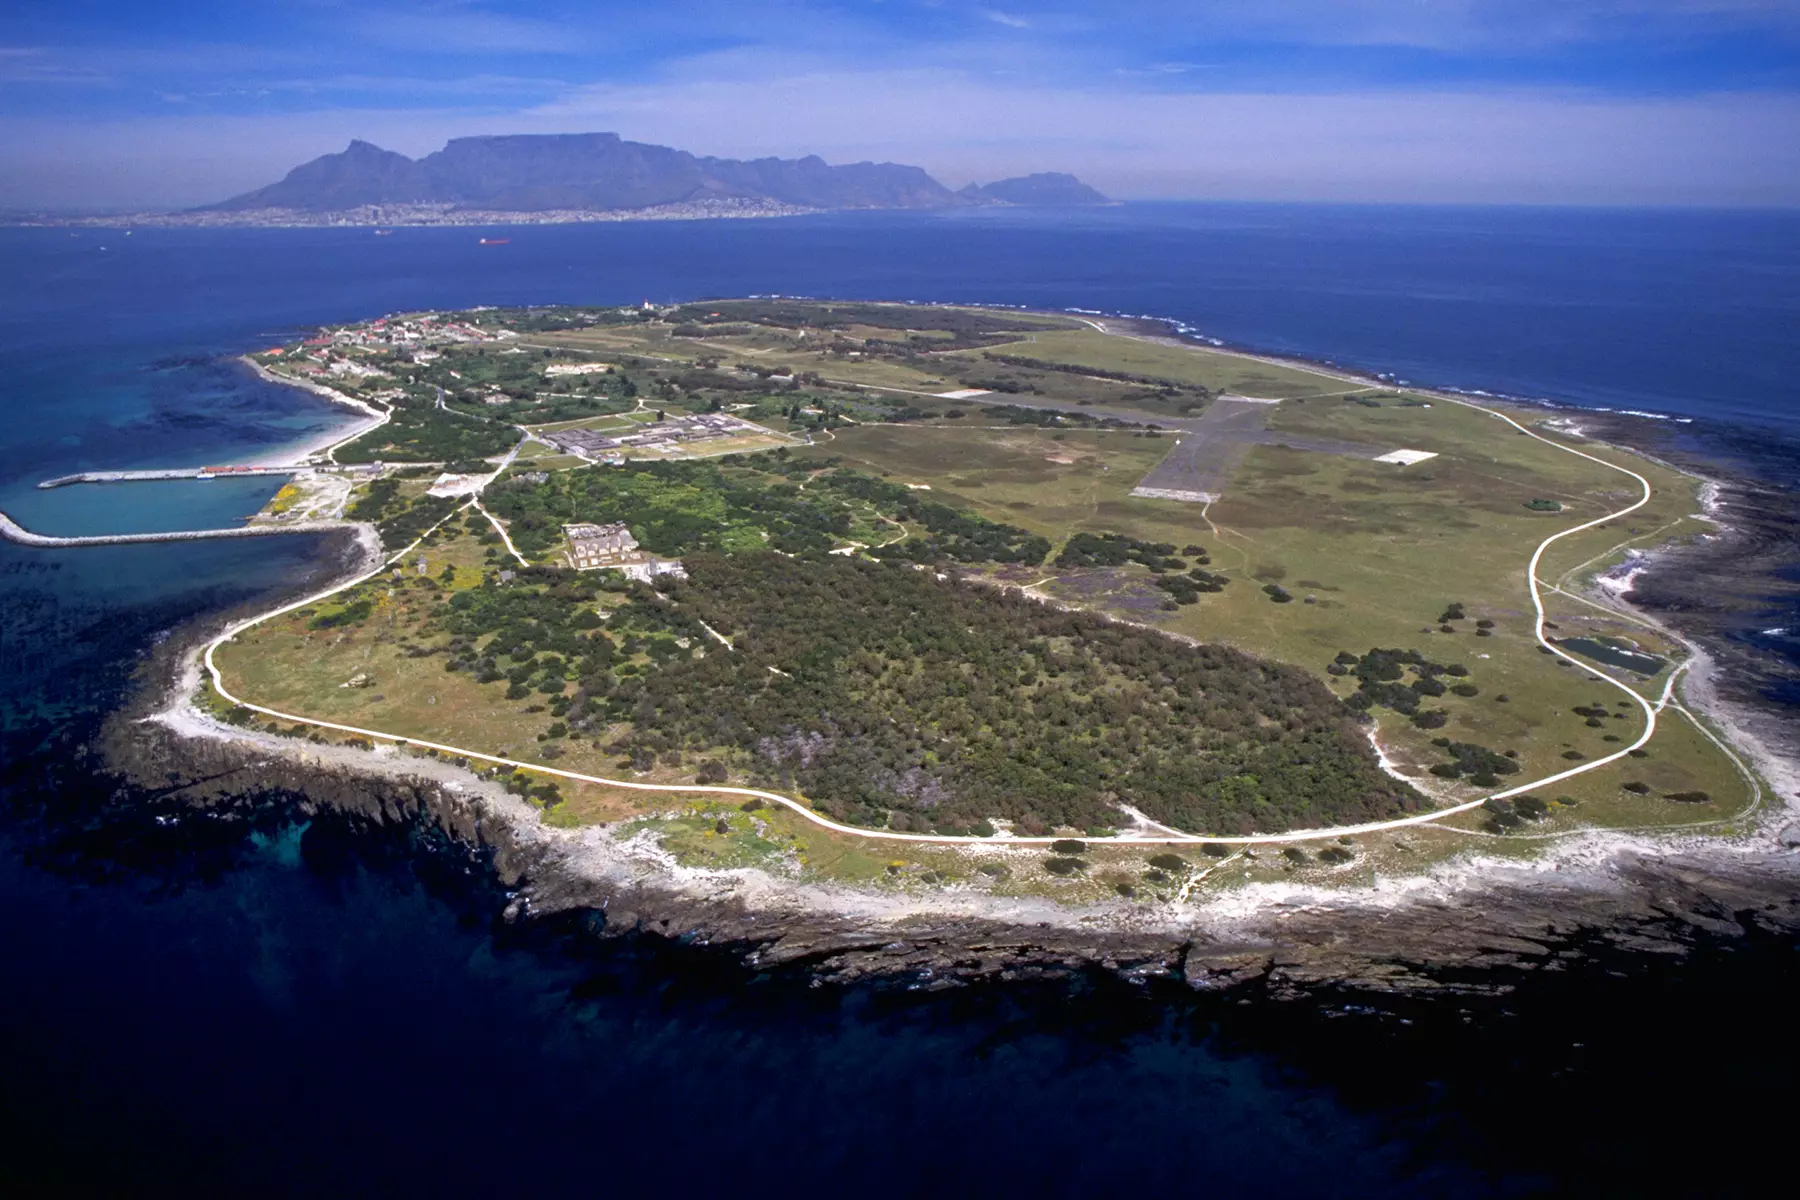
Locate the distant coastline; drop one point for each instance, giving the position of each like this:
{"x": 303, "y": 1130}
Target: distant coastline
{"x": 384, "y": 216}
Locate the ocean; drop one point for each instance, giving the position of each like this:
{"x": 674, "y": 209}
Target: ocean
{"x": 261, "y": 1002}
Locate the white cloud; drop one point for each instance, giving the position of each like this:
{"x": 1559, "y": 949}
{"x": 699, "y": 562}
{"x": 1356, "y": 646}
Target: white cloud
{"x": 35, "y": 64}
{"x": 1010, "y": 20}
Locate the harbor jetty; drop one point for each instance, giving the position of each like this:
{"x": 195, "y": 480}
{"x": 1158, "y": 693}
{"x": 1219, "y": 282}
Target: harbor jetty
{"x": 12, "y": 531}
{"x": 179, "y": 473}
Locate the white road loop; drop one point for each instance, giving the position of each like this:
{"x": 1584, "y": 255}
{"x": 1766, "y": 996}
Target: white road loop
{"x": 1301, "y": 835}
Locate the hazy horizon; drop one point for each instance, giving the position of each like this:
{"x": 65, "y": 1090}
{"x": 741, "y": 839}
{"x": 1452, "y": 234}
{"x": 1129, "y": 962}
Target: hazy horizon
{"x": 1588, "y": 102}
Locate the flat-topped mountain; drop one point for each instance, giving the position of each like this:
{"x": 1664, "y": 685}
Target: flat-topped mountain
{"x": 603, "y": 172}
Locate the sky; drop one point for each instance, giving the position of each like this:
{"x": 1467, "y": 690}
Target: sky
{"x": 128, "y": 104}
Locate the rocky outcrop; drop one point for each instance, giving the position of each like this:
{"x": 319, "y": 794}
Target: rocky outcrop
{"x": 1046, "y": 189}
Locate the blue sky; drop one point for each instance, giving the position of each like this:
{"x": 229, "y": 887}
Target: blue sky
{"x": 112, "y": 102}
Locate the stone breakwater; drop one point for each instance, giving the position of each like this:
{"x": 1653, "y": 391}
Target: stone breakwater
{"x": 12, "y": 531}
{"x": 155, "y": 476}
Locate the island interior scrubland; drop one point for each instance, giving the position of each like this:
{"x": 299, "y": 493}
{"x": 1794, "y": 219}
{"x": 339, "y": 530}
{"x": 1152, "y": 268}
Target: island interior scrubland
{"x": 940, "y": 601}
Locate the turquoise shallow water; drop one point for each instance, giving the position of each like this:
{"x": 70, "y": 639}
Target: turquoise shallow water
{"x": 264, "y": 1003}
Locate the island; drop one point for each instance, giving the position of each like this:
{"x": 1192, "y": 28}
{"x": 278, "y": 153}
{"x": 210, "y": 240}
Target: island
{"x": 811, "y": 622}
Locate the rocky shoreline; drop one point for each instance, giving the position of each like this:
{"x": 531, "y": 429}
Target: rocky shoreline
{"x": 1430, "y": 934}
{"x": 1467, "y": 930}
{"x": 1718, "y": 589}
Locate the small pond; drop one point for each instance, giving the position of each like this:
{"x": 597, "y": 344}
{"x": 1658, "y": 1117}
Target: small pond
{"x": 1614, "y": 653}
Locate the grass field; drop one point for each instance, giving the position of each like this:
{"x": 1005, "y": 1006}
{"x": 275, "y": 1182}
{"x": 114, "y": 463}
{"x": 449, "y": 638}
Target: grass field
{"x": 1214, "y": 370}
{"x": 1380, "y": 550}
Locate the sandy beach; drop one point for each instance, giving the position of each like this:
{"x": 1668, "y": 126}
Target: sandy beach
{"x": 368, "y": 418}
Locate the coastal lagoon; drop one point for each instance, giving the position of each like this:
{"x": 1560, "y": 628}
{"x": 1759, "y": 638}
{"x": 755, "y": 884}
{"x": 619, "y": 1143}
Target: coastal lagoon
{"x": 266, "y": 982}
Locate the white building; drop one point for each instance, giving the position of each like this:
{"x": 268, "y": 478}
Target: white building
{"x": 592, "y": 546}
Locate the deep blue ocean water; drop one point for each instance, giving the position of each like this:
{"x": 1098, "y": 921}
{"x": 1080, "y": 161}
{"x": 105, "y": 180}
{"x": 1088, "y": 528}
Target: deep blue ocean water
{"x": 254, "y": 1004}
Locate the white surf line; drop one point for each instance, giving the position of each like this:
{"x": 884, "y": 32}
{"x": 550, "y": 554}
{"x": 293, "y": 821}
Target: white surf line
{"x": 1302, "y": 835}
{"x": 1627, "y": 544}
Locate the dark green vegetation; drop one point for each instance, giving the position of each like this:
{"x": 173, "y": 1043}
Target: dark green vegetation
{"x": 399, "y": 518}
{"x": 889, "y": 697}
{"x": 1504, "y": 815}
{"x": 1186, "y": 589}
{"x": 798, "y": 507}
{"x": 1380, "y": 673}
{"x": 422, "y": 432}
{"x": 1481, "y": 766}
{"x": 907, "y": 701}
{"x": 514, "y": 391}
{"x": 1115, "y": 550}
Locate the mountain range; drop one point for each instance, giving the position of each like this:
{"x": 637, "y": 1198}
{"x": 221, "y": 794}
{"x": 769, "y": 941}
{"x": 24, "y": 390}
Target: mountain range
{"x": 602, "y": 172}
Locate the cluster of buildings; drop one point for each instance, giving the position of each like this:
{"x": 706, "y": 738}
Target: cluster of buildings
{"x": 593, "y": 546}
{"x": 664, "y": 435}
{"x": 332, "y": 354}
{"x": 611, "y": 547}
{"x": 411, "y": 333}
